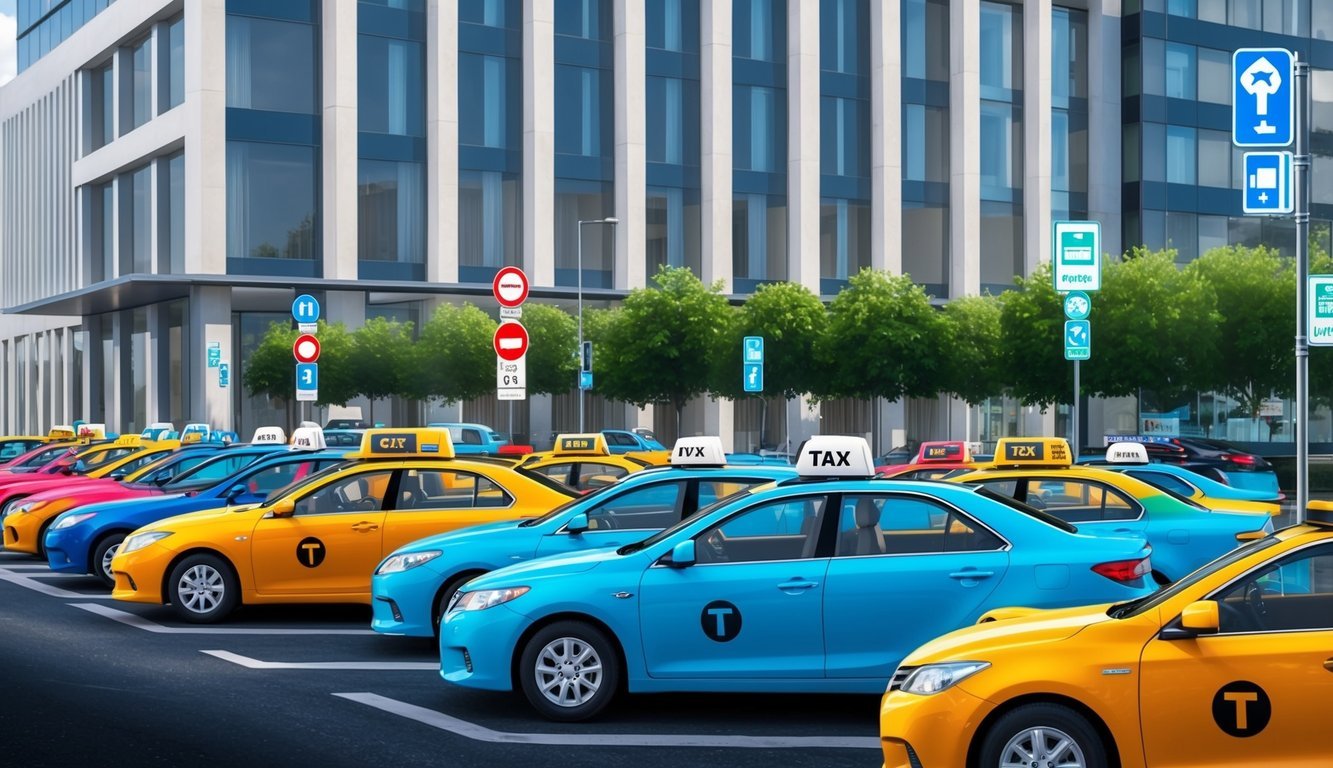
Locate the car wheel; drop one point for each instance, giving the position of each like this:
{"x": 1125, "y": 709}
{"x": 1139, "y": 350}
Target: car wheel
{"x": 203, "y": 589}
{"x": 569, "y": 671}
{"x": 1043, "y": 735}
{"x": 41, "y": 540}
{"x": 102, "y": 554}
{"x": 447, "y": 595}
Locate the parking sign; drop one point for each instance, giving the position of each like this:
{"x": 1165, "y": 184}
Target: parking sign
{"x": 1263, "y": 99}
{"x": 1268, "y": 181}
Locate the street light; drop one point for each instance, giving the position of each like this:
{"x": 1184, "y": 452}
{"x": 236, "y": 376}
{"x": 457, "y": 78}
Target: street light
{"x": 613, "y": 221}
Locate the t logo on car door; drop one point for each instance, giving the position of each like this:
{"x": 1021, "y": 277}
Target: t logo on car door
{"x": 721, "y": 621}
{"x": 1241, "y": 709}
{"x": 310, "y": 552}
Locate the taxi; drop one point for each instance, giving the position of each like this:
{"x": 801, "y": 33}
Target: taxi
{"x": 321, "y": 538}
{"x": 935, "y": 460}
{"x": 1133, "y": 460}
{"x": 36, "y": 458}
{"x": 585, "y": 461}
{"x": 1184, "y": 534}
{"x": 820, "y": 583}
{"x": 1228, "y": 666}
{"x": 16, "y": 445}
{"x": 414, "y": 585}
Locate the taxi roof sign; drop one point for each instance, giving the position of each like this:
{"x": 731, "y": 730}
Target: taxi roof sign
{"x": 95, "y": 431}
{"x": 591, "y": 444}
{"x": 1127, "y": 453}
{"x": 1033, "y": 452}
{"x": 943, "y": 451}
{"x": 308, "y": 439}
{"x": 61, "y": 432}
{"x": 131, "y": 440}
{"x": 405, "y": 444}
{"x": 835, "y": 456}
{"x": 704, "y": 451}
{"x": 1320, "y": 513}
{"x": 269, "y": 436}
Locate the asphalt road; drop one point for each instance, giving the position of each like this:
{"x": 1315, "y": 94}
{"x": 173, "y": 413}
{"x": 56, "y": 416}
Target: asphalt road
{"x": 86, "y": 679}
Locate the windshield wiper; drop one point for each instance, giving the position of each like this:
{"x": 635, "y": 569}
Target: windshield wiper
{"x": 1121, "y": 609}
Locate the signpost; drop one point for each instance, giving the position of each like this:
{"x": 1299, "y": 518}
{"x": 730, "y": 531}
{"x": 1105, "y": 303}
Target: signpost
{"x": 1076, "y": 249}
{"x": 1264, "y": 98}
{"x": 307, "y": 382}
{"x": 305, "y": 311}
{"x": 510, "y": 288}
{"x": 1078, "y": 340}
{"x": 752, "y": 363}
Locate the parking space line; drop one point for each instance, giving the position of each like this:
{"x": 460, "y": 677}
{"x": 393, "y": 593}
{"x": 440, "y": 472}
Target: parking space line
{"x": 375, "y": 666}
{"x": 481, "y": 733}
{"x": 29, "y": 582}
{"x": 139, "y": 622}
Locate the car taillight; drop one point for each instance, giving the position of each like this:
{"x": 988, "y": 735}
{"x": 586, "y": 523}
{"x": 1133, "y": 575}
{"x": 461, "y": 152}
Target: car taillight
{"x": 1240, "y": 459}
{"x": 1124, "y": 570}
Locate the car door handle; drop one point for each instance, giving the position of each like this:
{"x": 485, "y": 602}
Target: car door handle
{"x": 1328, "y": 664}
{"x": 1123, "y": 530}
{"x": 363, "y": 527}
{"x": 971, "y": 574}
{"x": 786, "y": 585}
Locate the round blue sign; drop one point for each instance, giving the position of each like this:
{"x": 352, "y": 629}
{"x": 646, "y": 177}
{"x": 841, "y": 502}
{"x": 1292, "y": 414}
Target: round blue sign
{"x": 305, "y": 309}
{"x": 1077, "y": 305}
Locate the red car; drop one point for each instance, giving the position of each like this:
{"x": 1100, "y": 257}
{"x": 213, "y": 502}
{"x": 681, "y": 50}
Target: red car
{"x": 935, "y": 460}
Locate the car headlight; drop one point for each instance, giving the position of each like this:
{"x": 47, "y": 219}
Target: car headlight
{"x": 485, "y": 598}
{"x": 933, "y": 678}
{"x": 406, "y": 561}
{"x": 140, "y": 540}
{"x": 15, "y": 508}
{"x": 69, "y": 521}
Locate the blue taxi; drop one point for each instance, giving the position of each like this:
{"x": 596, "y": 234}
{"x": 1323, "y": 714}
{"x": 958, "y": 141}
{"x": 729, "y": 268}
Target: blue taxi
{"x": 820, "y": 583}
{"x": 412, "y": 587}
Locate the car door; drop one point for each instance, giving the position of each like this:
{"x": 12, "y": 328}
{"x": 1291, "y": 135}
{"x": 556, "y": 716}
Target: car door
{"x": 1257, "y": 692}
{"x": 750, "y": 607}
{"x": 331, "y": 542}
{"x": 622, "y": 518}
{"x": 431, "y": 501}
{"x": 906, "y": 568}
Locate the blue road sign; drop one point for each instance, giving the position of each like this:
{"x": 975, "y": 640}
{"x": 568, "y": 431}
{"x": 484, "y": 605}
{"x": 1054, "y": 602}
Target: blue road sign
{"x": 224, "y": 375}
{"x": 307, "y": 376}
{"x": 1078, "y": 340}
{"x": 1077, "y": 305}
{"x": 1263, "y": 99}
{"x": 585, "y": 379}
{"x": 305, "y": 309}
{"x": 752, "y": 376}
{"x": 214, "y": 353}
{"x": 1268, "y": 183}
{"x": 753, "y": 349}
{"x": 585, "y": 359}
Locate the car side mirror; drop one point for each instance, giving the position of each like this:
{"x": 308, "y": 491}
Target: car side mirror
{"x": 234, "y": 493}
{"x": 1201, "y": 617}
{"x": 578, "y": 523}
{"x": 118, "y": 474}
{"x": 682, "y": 555}
{"x": 283, "y": 508}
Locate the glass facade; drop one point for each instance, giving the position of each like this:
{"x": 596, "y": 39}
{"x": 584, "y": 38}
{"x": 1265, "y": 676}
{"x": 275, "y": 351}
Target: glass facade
{"x": 844, "y": 137}
{"x": 672, "y": 233}
{"x": 391, "y": 211}
{"x": 136, "y": 88}
{"x": 102, "y": 106}
{"x": 1001, "y": 145}
{"x": 1069, "y": 114}
{"x": 272, "y": 201}
{"x": 759, "y": 143}
{"x": 171, "y": 65}
{"x": 44, "y": 24}
{"x": 272, "y": 65}
{"x": 136, "y": 240}
{"x": 171, "y": 214}
{"x": 925, "y": 143}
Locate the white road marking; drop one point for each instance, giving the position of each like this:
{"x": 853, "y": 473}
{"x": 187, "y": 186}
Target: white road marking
{"x": 139, "y": 622}
{"x": 377, "y": 666}
{"x": 481, "y": 733}
{"x": 30, "y": 582}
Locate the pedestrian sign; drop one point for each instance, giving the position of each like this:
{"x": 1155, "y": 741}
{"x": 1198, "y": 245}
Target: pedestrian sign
{"x": 1268, "y": 183}
{"x": 1078, "y": 340}
{"x": 1319, "y": 306}
{"x": 753, "y": 377}
{"x": 1078, "y": 255}
{"x": 1077, "y": 305}
{"x": 753, "y": 349}
{"x": 1263, "y": 102}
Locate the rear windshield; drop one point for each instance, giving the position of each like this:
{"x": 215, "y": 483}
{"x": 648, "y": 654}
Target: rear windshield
{"x": 1018, "y": 506}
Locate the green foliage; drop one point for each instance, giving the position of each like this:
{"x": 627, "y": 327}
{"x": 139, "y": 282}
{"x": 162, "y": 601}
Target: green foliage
{"x": 974, "y": 369}
{"x": 381, "y": 354}
{"x": 791, "y": 319}
{"x": 884, "y": 339}
{"x": 271, "y": 369}
{"x": 553, "y": 340}
{"x": 1031, "y": 329}
{"x": 454, "y": 359}
{"x": 337, "y": 374}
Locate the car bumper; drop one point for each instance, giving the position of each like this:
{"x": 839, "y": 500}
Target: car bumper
{"x": 477, "y": 647}
{"x": 929, "y": 731}
{"x": 66, "y": 551}
{"x": 139, "y": 574}
{"x": 21, "y": 532}
{"x": 403, "y": 603}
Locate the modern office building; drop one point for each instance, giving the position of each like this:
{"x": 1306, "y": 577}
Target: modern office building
{"x": 173, "y": 172}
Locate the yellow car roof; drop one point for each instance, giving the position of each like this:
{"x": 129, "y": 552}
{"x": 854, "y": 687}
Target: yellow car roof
{"x": 1131, "y": 485}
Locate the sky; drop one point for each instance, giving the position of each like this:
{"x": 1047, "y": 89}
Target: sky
{"x": 8, "y": 26}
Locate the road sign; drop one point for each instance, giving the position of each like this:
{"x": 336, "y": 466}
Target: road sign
{"x": 305, "y": 309}
{"x": 306, "y": 348}
{"x": 1268, "y": 183}
{"x": 1078, "y": 340}
{"x": 752, "y": 376}
{"x": 307, "y": 380}
{"x": 511, "y": 340}
{"x": 585, "y": 380}
{"x": 224, "y": 375}
{"x": 214, "y": 353}
{"x": 1077, "y": 305}
{"x": 1263, "y": 101}
{"x": 511, "y": 378}
{"x": 752, "y": 349}
{"x": 1077, "y": 249}
{"x": 510, "y": 286}
{"x": 1319, "y": 306}
{"x": 585, "y": 358}
{"x": 511, "y": 313}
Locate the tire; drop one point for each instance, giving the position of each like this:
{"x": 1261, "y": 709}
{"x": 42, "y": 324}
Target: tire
{"x": 41, "y": 540}
{"x": 1010, "y": 740}
{"x": 100, "y": 561}
{"x": 211, "y": 590}
{"x": 561, "y": 689}
{"x": 447, "y": 594}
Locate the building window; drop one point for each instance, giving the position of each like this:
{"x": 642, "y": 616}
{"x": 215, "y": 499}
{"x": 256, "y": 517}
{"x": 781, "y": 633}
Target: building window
{"x": 419, "y": 6}
{"x": 925, "y": 42}
{"x": 489, "y": 113}
{"x": 272, "y": 65}
{"x": 490, "y": 220}
{"x": 1001, "y": 50}
{"x": 1182, "y": 234}
{"x": 137, "y": 87}
{"x": 391, "y": 207}
{"x": 489, "y": 13}
{"x": 759, "y": 238}
{"x": 1214, "y": 76}
{"x": 1001, "y": 150}
{"x": 271, "y": 201}
{"x": 1180, "y": 154}
{"x": 136, "y": 242}
{"x": 844, "y": 238}
{"x": 844, "y": 26}
{"x": 672, "y": 25}
{"x": 759, "y": 138}
{"x": 588, "y": 19}
{"x": 391, "y": 78}
{"x": 1180, "y": 71}
{"x": 759, "y": 29}
{"x": 673, "y": 121}
{"x": 1214, "y": 159}
{"x": 171, "y": 195}
{"x": 844, "y": 137}
{"x": 583, "y": 111}
{"x": 580, "y": 200}
{"x": 171, "y": 70}
{"x": 1002, "y": 236}
{"x": 673, "y": 229}
{"x": 102, "y": 208}
{"x": 925, "y": 244}
{"x": 925, "y": 143}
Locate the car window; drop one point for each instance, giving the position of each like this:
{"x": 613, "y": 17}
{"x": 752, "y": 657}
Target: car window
{"x": 353, "y": 493}
{"x": 217, "y": 468}
{"x": 650, "y": 506}
{"x": 13, "y": 449}
{"x": 620, "y": 438}
{"x": 1004, "y": 487}
{"x": 779, "y": 530}
{"x": 1080, "y": 501}
{"x": 98, "y": 459}
{"x": 446, "y": 489}
{"x": 267, "y": 479}
{"x": 1163, "y": 481}
{"x": 595, "y": 475}
{"x": 883, "y": 524}
{"x": 712, "y": 490}
{"x": 471, "y": 437}
{"x": 1291, "y": 594}
{"x": 140, "y": 461}
{"x": 557, "y": 472}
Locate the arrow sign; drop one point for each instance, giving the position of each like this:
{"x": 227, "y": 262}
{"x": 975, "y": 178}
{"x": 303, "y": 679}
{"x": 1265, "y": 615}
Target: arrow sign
{"x": 510, "y": 287}
{"x": 306, "y": 348}
{"x": 511, "y": 340}
{"x": 1078, "y": 340}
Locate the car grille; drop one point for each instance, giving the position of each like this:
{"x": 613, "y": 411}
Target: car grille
{"x": 912, "y": 758}
{"x": 896, "y": 682}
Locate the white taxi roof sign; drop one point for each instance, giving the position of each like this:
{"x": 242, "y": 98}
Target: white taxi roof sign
{"x": 269, "y": 436}
{"x": 1033, "y": 452}
{"x": 591, "y": 444}
{"x": 131, "y": 440}
{"x": 943, "y": 451}
{"x": 702, "y": 451}
{"x": 94, "y": 431}
{"x": 835, "y": 456}
{"x": 308, "y": 439}
{"x": 1127, "y": 453}
{"x": 405, "y": 444}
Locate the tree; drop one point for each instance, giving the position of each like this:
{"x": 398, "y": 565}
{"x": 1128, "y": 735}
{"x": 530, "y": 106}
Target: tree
{"x": 381, "y": 354}
{"x": 454, "y": 359}
{"x": 974, "y": 369}
{"x": 271, "y": 369}
{"x": 552, "y": 362}
{"x": 884, "y": 339}
{"x": 790, "y": 319}
{"x": 655, "y": 347}
{"x": 1031, "y": 327}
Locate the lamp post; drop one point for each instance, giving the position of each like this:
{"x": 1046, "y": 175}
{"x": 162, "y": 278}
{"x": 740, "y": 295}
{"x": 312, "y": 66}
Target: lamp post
{"x": 613, "y": 221}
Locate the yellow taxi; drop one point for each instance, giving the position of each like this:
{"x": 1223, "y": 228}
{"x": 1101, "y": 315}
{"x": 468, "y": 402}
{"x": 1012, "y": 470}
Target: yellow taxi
{"x": 1227, "y": 667}
{"x": 319, "y": 539}
{"x": 585, "y": 462}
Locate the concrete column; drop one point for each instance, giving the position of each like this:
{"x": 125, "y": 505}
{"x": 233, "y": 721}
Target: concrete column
{"x": 210, "y": 321}
{"x": 715, "y": 133}
{"x": 890, "y": 426}
{"x": 1037, "y": 133}
{"x": 1104, "y": 122}
{"x": 964, "y": 148}
{"x": 339, "y": 151}
{"x": 539, "y": 141}
{"x": 631, "y": 145}
{"x": 349, "y": 308}
{"x": 442, "y": 141}
{"x": 803, "y": 144}
{"x": 886, "y": 154}
{"x": 205, "y": 137}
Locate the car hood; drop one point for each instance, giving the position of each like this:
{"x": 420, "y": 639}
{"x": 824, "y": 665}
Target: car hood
{"x": 190, "y": 519}
{"x": 543, "y": 568}
{"x": 91, "y": 487}
{"x": 1012, "y": 628}
{"x": 461, "y": 537}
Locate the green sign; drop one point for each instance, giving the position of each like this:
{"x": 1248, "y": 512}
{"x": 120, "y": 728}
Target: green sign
{"x": 1319, "y": 310}
{"x": 1077, "y": 255}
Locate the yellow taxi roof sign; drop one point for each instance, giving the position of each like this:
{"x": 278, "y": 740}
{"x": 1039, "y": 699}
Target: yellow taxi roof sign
{"x": 192, "y": 437}
{"x": 1033, "y": 452}
{"x": 93, "y": 431}
{"x": 1320, "y": 513}
{"x": 269, "y": 436}
{"x": 61, "y": 432}
{"x": 591, "y": 444}
{"x": 404, "y": 444}
{"x": 132, "y": 440}
{"x": 943, "y": 451}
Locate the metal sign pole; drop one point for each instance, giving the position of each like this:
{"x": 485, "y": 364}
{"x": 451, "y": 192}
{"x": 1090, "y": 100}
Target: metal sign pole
{"x": 1073, "y": 418}
{"x": 1301, "y": 166}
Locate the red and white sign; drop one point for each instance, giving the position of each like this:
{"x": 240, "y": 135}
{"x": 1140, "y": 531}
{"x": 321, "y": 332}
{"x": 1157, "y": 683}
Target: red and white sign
{"x": 511, "y": 340}
{"x": 510, "y": 287}
{"x": 306, "y": 348}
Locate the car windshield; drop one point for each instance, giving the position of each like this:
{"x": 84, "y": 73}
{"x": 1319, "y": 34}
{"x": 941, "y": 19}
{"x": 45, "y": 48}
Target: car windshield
{"x": 297, "y": 485}
{"x": 1015, "y": 504}
{"x": 211, "y": 472}
{"x": 1144, "y": 604}
{"x": 560, "y": 509}
{"x": 667, "y": 533}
